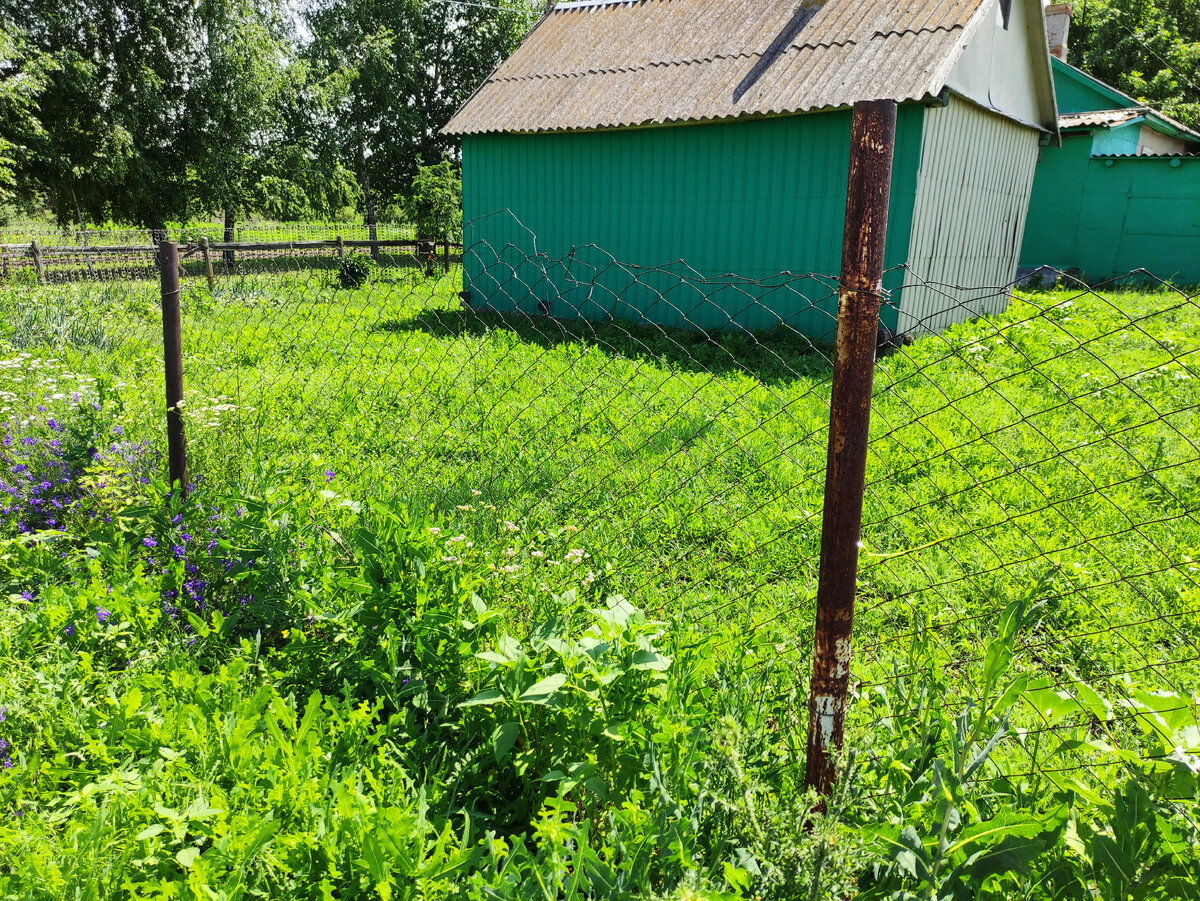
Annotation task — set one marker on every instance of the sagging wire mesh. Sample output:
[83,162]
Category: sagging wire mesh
[659,432]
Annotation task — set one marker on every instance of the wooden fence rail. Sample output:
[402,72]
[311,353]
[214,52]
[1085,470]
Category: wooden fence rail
[41,256]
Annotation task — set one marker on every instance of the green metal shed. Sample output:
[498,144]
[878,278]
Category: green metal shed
[716,132]
[1122,192]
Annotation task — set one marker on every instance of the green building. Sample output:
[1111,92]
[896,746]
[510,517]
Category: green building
[1122,192]
[630,155]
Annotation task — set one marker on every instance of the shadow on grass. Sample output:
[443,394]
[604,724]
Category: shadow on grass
[779,356]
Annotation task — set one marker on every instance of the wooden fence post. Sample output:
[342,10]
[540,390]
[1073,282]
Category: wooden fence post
[341,248]
[37,261]
[208,269]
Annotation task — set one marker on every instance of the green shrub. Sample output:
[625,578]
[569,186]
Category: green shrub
[354,269]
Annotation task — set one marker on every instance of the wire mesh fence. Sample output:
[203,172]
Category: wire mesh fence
[659,433]
[53,256]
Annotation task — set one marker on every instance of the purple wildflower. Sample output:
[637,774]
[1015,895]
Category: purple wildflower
[69,630]
[102,615]
[329,474]
[149,542]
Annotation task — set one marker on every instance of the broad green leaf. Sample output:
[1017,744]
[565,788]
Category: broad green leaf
[187,856]
[619,611]
[131,703]
[1110,857]
[312,712]
[1091,701]
[150,831]
[553,629]
[494,657]
[544,690]
[616,731]
[484,698]
[510,648]
[597,787]
[199,810]
[1075,841]
[651,660]
[377,864]
[1051,704]
[1003,825]
[504,738]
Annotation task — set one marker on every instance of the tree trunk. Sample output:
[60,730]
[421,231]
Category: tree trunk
[227,257]
[369,202]
[87,257]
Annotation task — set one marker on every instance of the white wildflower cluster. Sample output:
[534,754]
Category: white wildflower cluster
[37,380]
[210,410]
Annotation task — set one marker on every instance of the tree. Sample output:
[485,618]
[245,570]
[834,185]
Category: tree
[435,206]
[394,72]
[1149,49]
[23,71]
[298,181]
[110,108]
[232,102]
[150,110]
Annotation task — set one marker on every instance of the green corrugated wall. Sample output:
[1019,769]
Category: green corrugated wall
[1108,216]
[752,198]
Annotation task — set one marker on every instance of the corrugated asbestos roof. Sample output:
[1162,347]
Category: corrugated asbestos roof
[656,61]
[1105,117]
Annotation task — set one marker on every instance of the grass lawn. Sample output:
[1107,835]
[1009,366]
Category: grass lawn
[1057,441]
[1047,455]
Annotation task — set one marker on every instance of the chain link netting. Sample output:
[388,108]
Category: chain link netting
[663,432]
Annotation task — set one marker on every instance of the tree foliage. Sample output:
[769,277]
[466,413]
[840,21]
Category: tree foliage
[1149,49]
[110,108]
[232,105]
[393,72]
[436,203]
[23,73]
[151,110]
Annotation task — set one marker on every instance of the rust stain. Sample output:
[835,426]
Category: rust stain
[872,141]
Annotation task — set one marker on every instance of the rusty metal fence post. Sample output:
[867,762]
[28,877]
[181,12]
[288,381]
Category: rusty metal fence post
[872,142]
[168,256]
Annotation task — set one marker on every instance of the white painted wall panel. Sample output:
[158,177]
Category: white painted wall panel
[973,190]
[1008,68]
